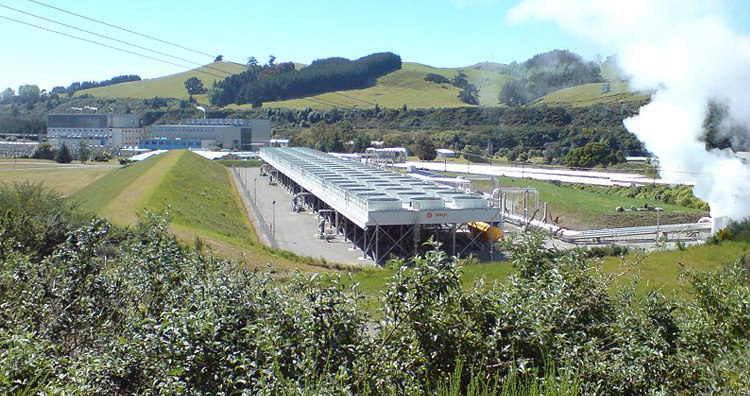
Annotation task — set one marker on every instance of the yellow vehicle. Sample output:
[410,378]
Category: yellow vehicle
[490,232]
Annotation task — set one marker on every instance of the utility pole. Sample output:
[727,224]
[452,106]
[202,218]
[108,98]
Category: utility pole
[273,218]
[658,211]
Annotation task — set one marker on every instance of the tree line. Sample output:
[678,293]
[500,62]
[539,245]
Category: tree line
[78,86]
[274,82]
[515,133]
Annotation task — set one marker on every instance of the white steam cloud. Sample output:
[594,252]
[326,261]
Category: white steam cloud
[685,52]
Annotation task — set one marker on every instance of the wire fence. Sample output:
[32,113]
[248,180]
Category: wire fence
[263,227]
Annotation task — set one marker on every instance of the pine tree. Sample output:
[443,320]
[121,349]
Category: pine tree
[63,155]
[84,151]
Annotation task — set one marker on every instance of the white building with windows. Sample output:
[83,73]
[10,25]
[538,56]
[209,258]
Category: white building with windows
[102,130]
[230,133]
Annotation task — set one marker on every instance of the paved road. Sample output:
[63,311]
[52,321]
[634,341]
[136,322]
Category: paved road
[601,178]
[295,232]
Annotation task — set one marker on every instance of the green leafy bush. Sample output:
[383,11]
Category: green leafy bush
[132,311]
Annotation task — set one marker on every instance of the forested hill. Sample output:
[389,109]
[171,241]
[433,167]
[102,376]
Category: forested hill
[546,73]
[272,82]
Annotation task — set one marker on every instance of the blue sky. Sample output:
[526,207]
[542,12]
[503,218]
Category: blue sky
[444,33]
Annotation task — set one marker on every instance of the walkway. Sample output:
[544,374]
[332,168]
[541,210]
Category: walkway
[294,232]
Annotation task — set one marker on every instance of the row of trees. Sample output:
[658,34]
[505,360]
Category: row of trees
[339,137]
[273,82]
[78,86]
[27,95]
[516,133]
[62,154]
[92,308]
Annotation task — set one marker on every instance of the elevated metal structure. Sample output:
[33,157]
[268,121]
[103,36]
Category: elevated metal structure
[380,211]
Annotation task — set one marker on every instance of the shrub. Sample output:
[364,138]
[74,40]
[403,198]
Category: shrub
[436,78]
[132,311]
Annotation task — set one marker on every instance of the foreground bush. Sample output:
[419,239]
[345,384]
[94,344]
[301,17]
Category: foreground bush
[123,311]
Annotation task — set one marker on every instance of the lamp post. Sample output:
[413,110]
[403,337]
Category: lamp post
[273,218]
[255,190]
[658,212]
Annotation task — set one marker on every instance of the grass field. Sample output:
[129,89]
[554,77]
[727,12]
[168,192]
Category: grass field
[167,87]
[405,86]
[589,94]
[578,209]
[66,179]
[660,270]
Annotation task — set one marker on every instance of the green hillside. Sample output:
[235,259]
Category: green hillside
[166,87]
[406,86]
[198,193]
[200,196]
[122,193]
[588,94]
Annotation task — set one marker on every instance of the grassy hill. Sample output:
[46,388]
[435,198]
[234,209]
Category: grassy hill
[588,94]
[166,87]
[121,193]
[200,196]
[406,86]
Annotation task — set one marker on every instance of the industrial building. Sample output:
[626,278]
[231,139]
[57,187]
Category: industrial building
[104,130]
[17,149]
[234,134]
[381,212]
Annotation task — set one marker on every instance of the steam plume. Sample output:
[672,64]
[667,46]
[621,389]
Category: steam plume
[685,52]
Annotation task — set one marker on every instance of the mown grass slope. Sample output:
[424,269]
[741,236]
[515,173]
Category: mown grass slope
[171,86]
[201,198]
[121,194]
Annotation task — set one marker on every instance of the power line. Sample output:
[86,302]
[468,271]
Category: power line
[112,38]
[352,98]
[320,101]
[108,46]
[330,102]
[118,27]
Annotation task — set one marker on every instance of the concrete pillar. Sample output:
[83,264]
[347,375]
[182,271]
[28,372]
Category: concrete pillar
[364,245]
